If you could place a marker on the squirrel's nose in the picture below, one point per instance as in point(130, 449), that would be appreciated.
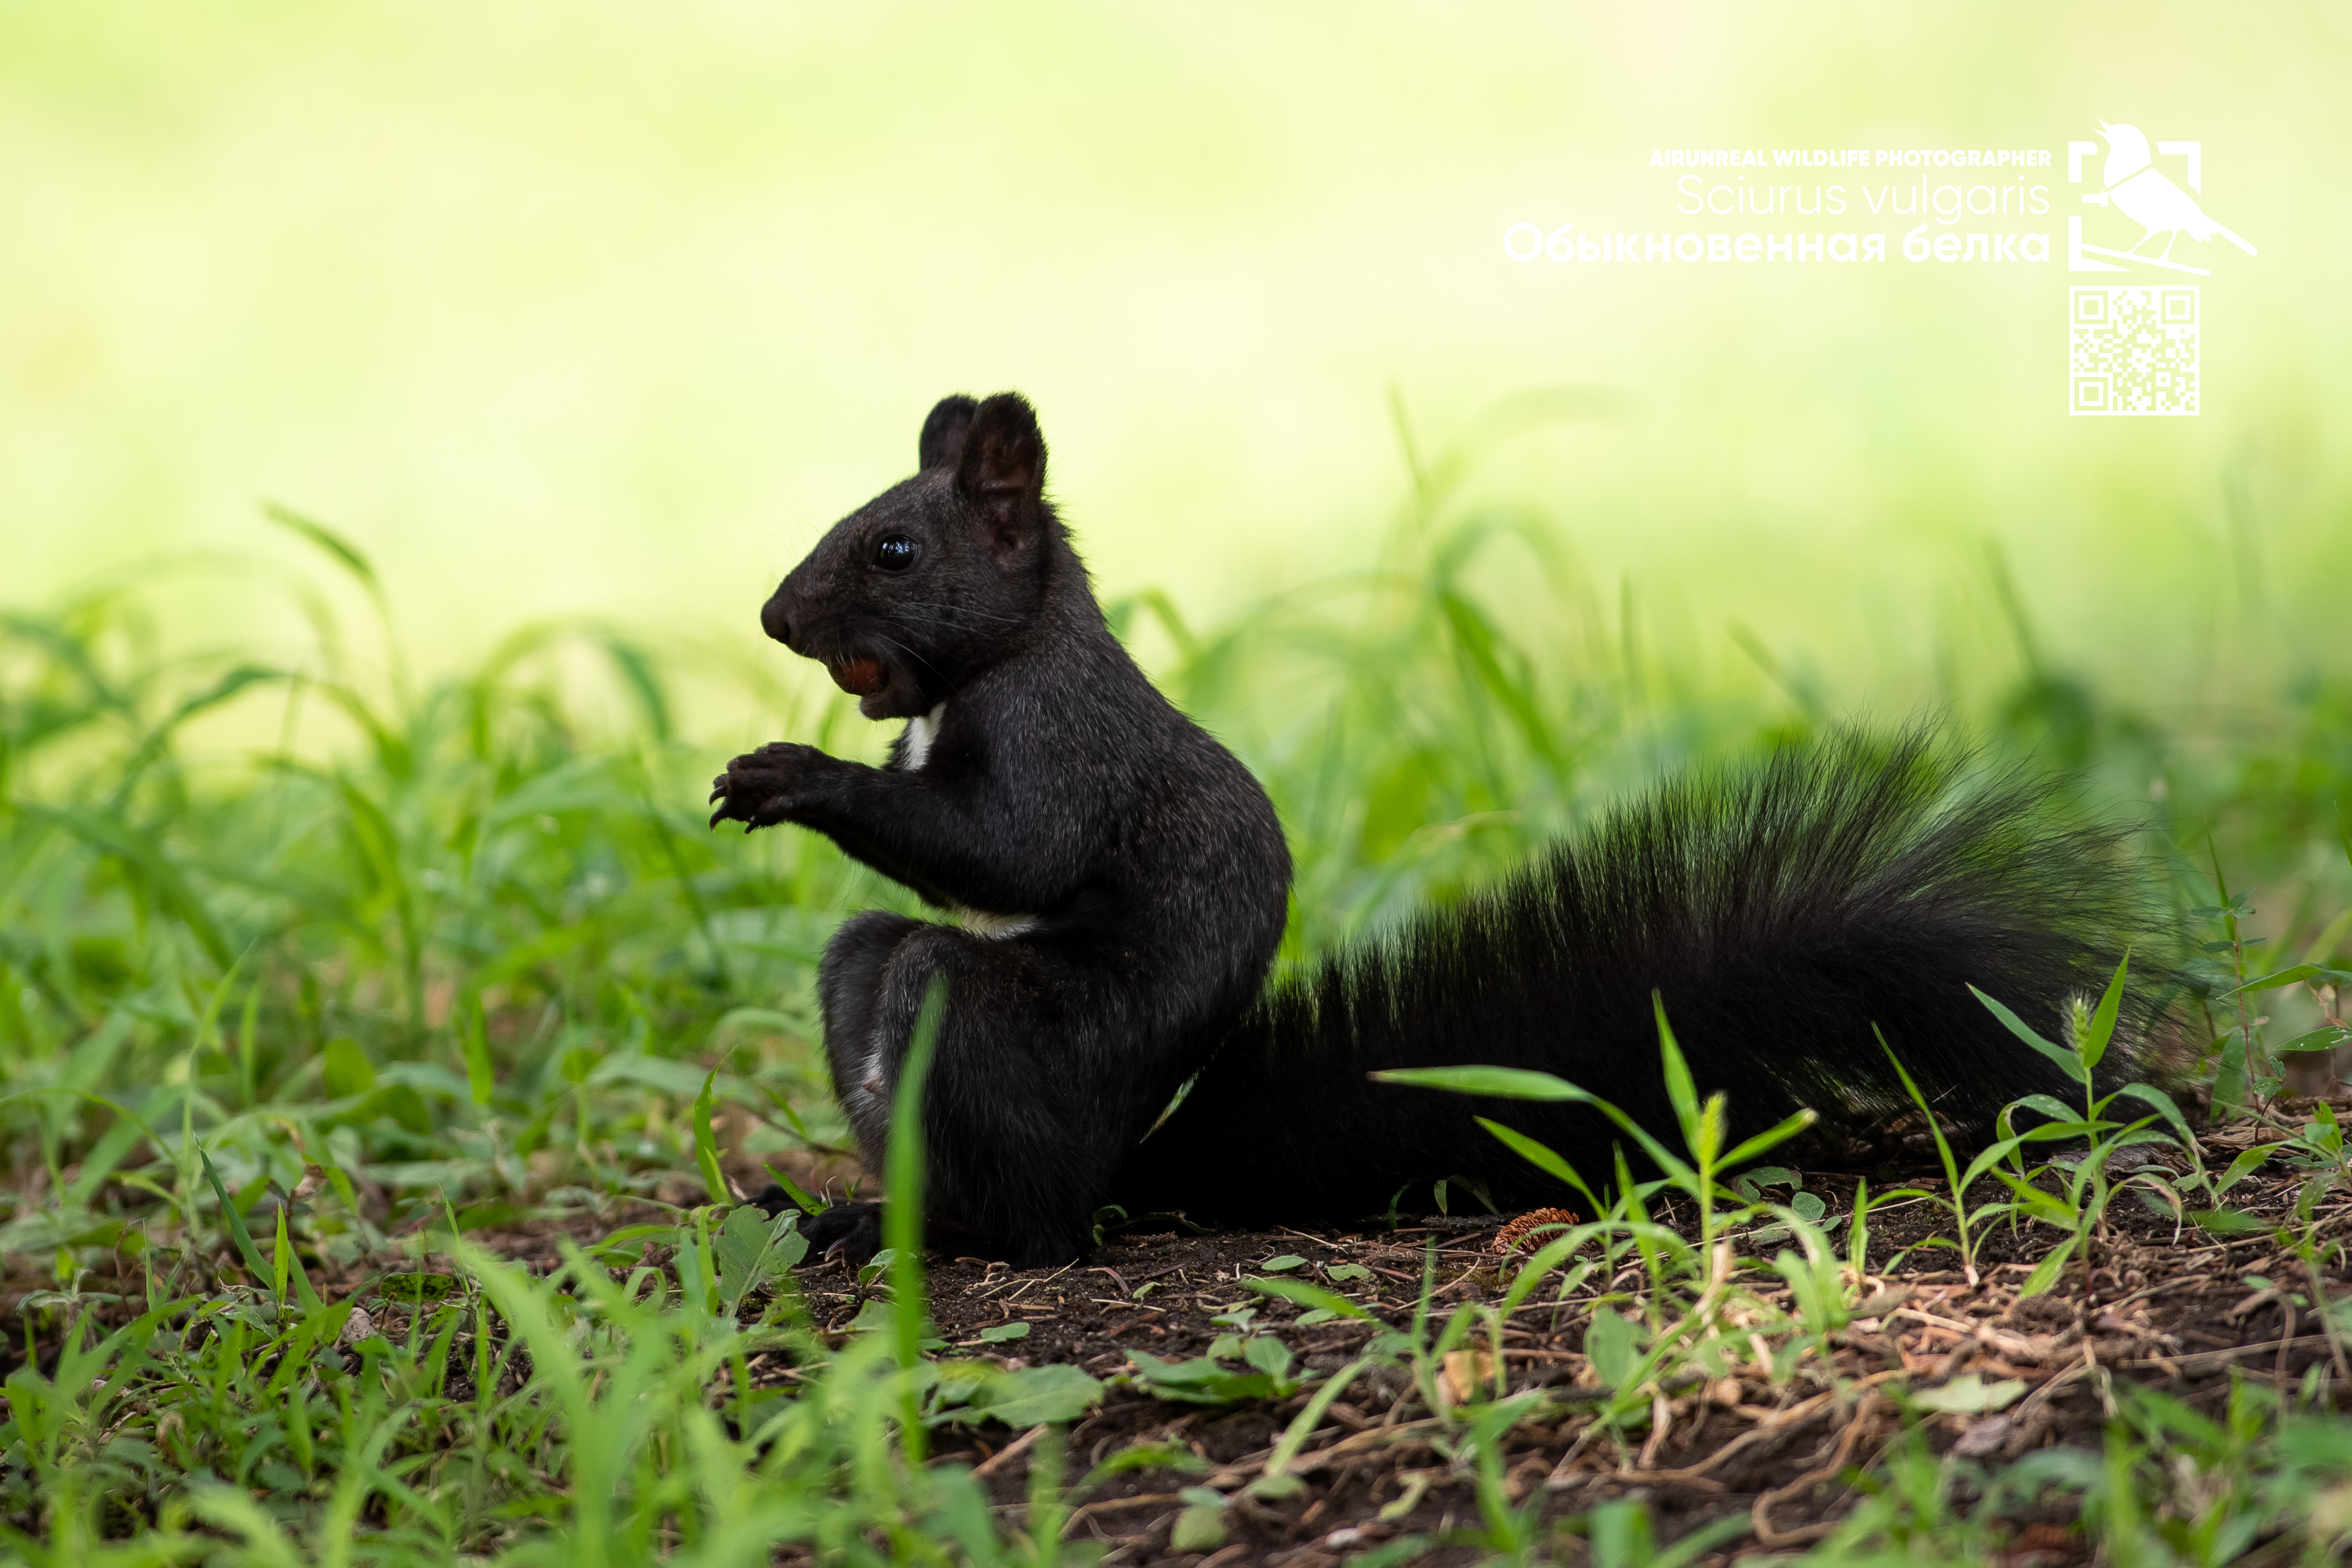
point(775, 618)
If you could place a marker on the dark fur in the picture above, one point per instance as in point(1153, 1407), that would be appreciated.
point(1060, 785)
point(1779, 912)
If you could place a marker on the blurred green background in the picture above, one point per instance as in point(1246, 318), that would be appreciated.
point(377, 839)
point(611, 308)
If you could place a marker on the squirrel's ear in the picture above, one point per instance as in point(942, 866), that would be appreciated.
point(1002, 466)
point(941, 442)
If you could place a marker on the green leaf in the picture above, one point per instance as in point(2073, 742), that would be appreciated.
point(751, 1247)
point(1288, 1261)
point(1540, 1157)
point(1345, 1271)
point(1197, 1371)
point(1935, 1128)
point(2299, 973)
point(1614, 1346)
point(2065, 1058)
point(1751, 1184)
point(2045, 1273)
point(1681, 1093)
point(1771, 1138)
point(1286, 1450)
point(1501, 1083)
point(800, 1200)
point(786, 1245)
point(1037, 1396)
point(2058, 1110)
point(1203, 1380)
point(2326, 1039)
point(2094, 1044)
point(1546, 1259)
point(1004, 1334)
point(2038, 1204)
point(1199, 1528)
point(2150, 1094)
point(2248, 1162)
point(1991, 1155)
point(1269, 1356)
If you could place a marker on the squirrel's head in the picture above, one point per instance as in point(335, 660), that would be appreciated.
point(912, 593)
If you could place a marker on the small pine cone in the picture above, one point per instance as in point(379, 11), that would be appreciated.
point(1511, 1238)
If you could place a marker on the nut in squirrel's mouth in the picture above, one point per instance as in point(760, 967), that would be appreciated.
point(859, 677)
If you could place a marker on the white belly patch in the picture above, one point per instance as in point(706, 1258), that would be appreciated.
point(979, 922)
point(921, 731)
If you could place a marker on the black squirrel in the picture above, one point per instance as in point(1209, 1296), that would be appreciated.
point(1122, 883)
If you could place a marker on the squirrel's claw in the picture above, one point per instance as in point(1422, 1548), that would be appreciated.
point(853, 1232)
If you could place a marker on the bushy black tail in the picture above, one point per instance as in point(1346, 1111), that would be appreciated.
point(1780, 911)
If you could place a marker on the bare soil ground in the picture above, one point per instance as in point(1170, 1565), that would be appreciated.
point(2166, 1305)
point(2163, 1304)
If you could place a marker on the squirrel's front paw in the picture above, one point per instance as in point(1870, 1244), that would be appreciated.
point(852, 1230)
point(760, 788)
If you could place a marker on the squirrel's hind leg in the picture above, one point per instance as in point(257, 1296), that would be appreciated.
point(864, 1056)
point(1023, 1109)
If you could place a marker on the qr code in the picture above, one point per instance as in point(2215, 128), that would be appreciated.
point(2132, 351)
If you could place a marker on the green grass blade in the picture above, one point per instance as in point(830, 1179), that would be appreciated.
point(281, 1259)
point(2045, 1273)
point(2247, 1163)
point(800, 1200)
point(1540, 1157)
point(1500, 1083)
point(1986, 1158)
point(902, 1215)
point(2095, 1040)
point(334, 544)
point(2295, 975)
point(254, 1262)
point(2162, 1101)
point(1771, 1137)
point(1286, 1450)
point(1680, 1091)
point(705, 1147)
point(481, 1076)
point(2024, 1031)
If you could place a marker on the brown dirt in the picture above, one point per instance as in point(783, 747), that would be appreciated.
point(2164, 1305)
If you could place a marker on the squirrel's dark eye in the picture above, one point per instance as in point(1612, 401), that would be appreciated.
point(895, 553)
